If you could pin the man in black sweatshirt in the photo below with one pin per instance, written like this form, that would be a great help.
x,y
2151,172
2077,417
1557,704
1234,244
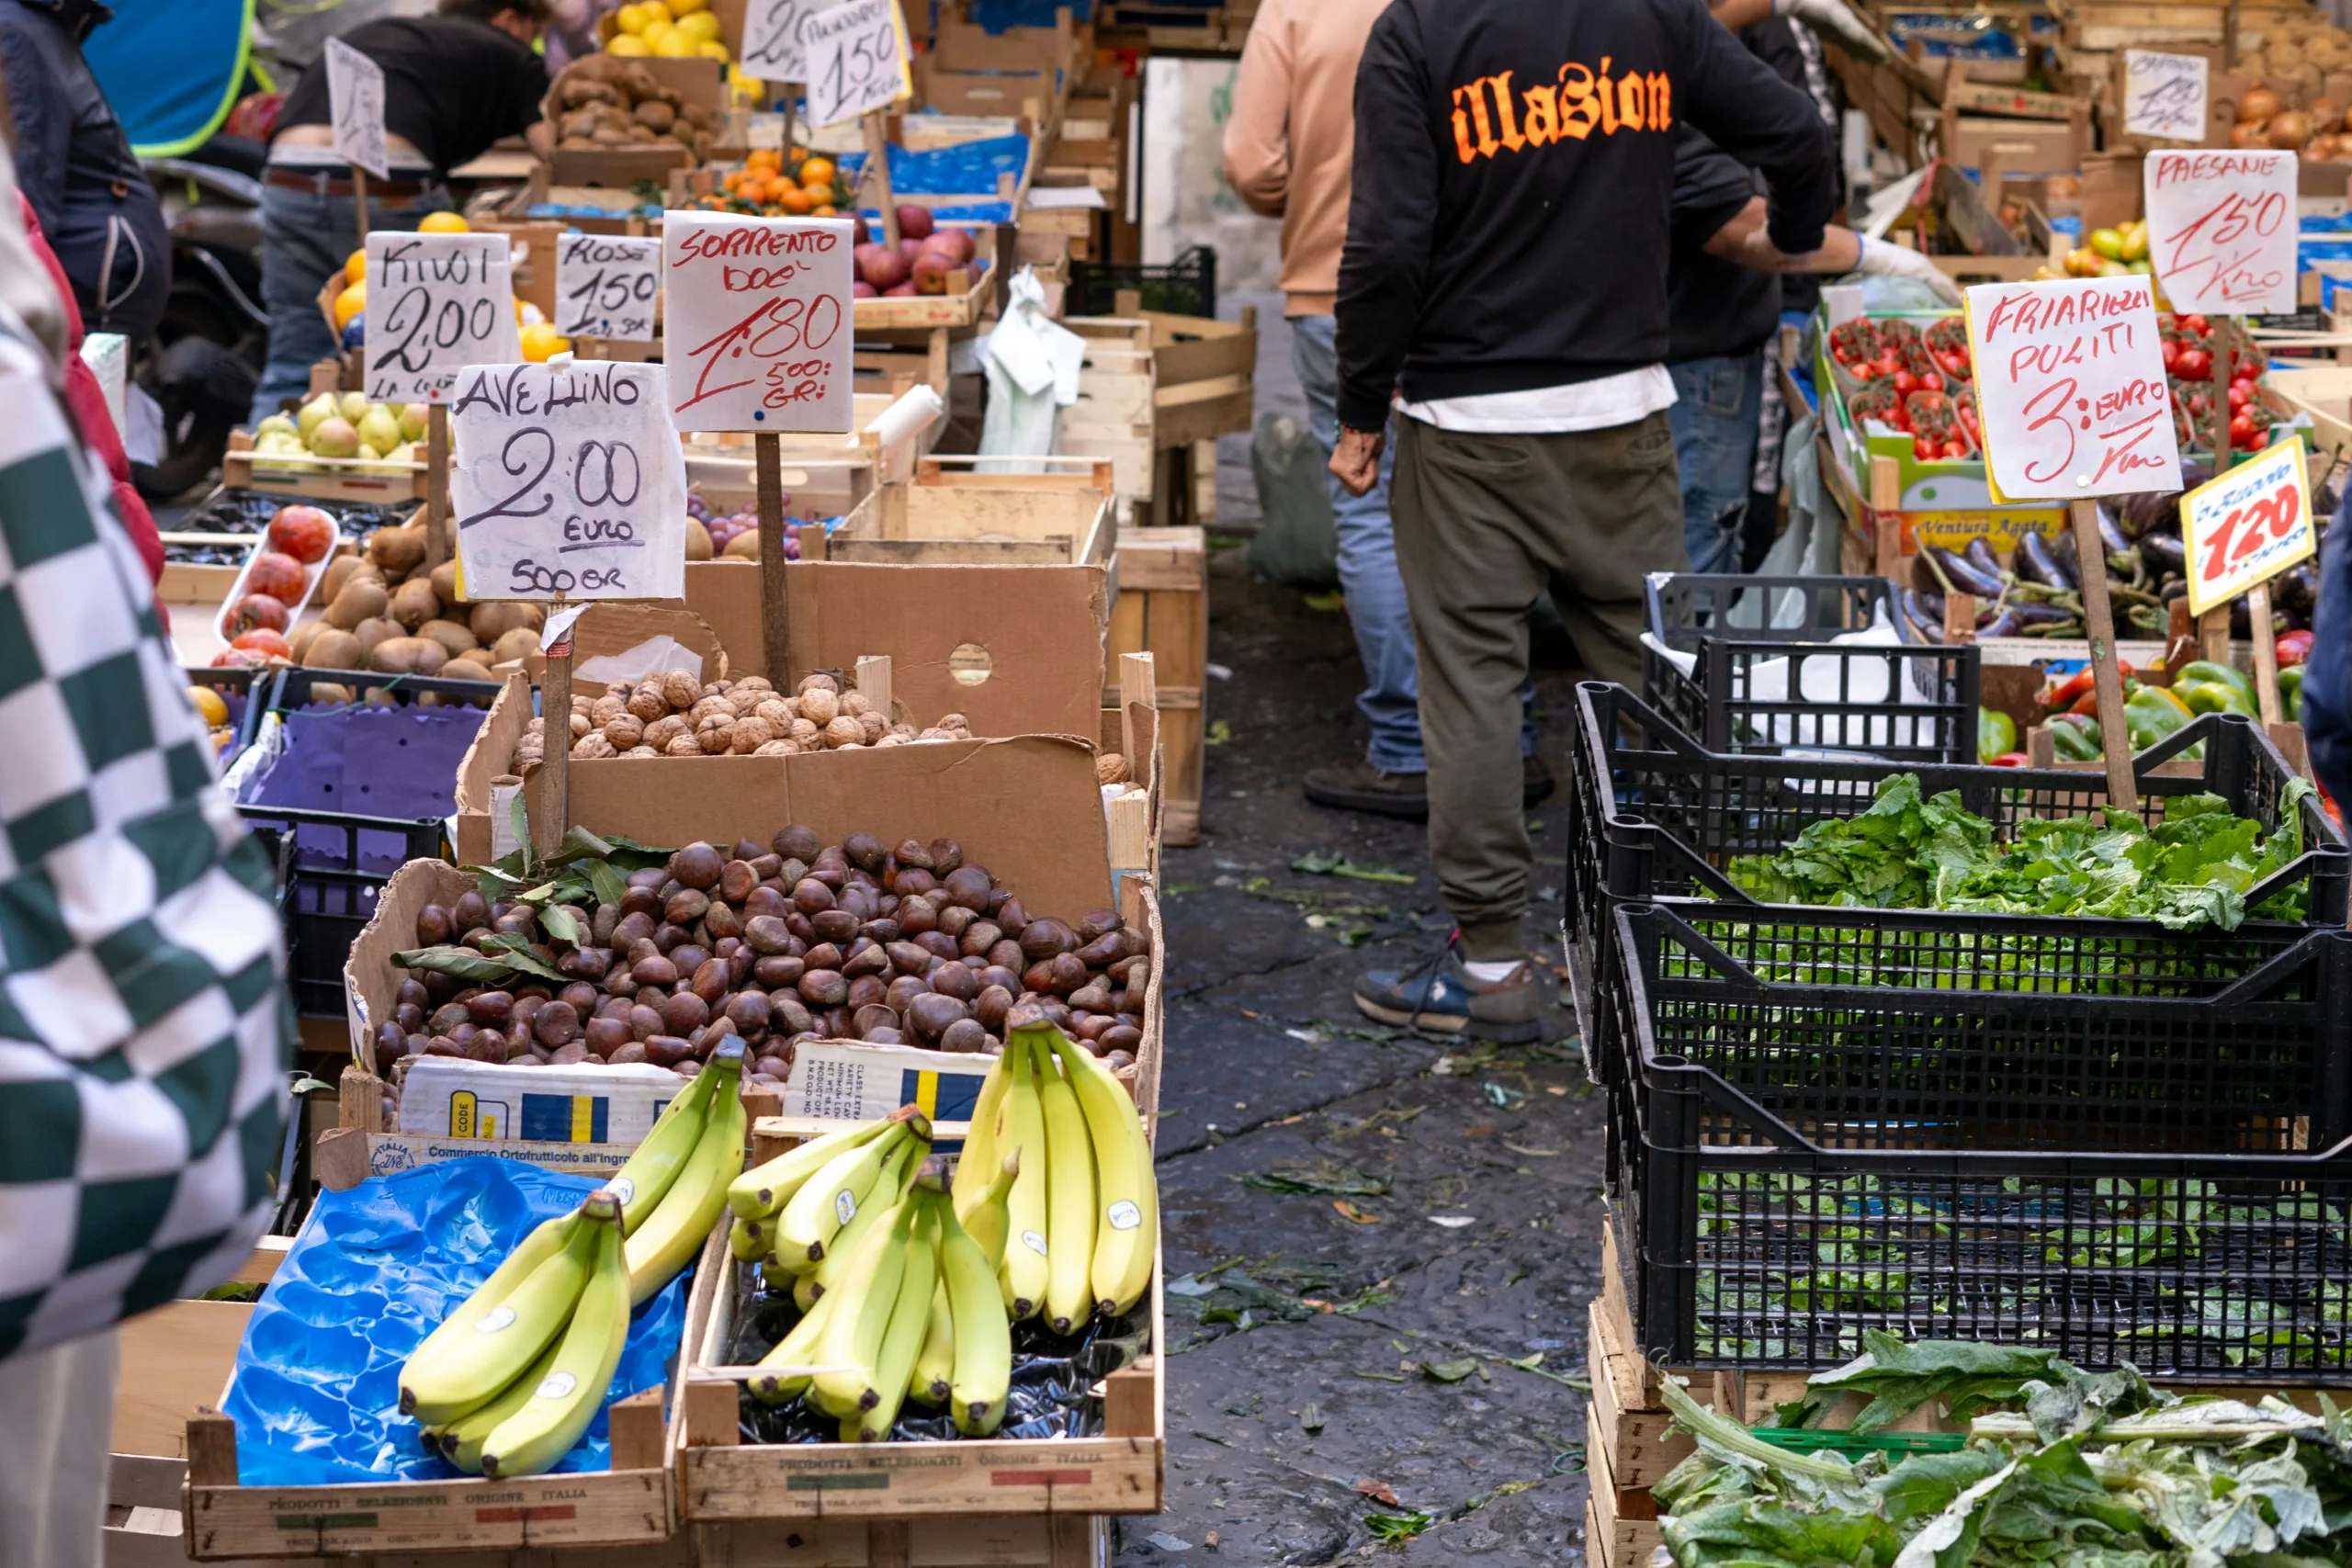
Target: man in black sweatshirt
x,y
1506,273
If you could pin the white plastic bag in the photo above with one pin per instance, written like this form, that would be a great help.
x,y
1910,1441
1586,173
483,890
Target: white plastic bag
x,y
1032,365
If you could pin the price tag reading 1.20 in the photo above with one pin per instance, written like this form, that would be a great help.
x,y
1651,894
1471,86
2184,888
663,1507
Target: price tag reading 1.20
x,y
567,482
2248,526
757,325
2070,389
606,287
436,303
856,59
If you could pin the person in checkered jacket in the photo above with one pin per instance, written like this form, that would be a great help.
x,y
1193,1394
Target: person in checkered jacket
x,y
144,1021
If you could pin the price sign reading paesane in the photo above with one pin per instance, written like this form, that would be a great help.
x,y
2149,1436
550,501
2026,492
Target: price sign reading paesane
x,y
2248,526
436,303
856,61
772,47
2221,228
756,321
567,482
2070,389
606,287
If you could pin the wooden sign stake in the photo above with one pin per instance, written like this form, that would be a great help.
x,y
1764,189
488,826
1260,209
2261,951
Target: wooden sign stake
x,y
359,193
1959,619
774,609
555,708
2098,621
878,164
436,486
2266,653
2223,366
2180,633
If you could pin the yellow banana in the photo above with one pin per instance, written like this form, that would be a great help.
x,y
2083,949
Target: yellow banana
x,y
976,1167
830,1199
983,1365
563,1404
655,1165
881,1200
935,1375
746,1241
1069,1198
545,1241
445,1379
776,1277
796,1349
765,1188
669,1238
805,1291
460,1441
894,1360
1024,1264
853,1331
1126,1230
987,1215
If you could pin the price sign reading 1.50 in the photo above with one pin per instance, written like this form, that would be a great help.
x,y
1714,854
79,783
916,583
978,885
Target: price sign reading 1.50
x,y
567,482
606,287
857,59
2248,526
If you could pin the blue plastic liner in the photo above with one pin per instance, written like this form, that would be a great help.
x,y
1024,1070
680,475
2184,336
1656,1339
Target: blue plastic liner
x,y
316,1395
968,168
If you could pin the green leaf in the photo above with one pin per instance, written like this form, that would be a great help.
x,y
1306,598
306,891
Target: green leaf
x,y
1451,1371
608,884
563,923
1323,1178
519,952
462,961
1397,1526
1318,862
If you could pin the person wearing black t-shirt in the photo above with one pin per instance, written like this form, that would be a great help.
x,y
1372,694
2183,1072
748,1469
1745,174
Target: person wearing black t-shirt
x,y
454,83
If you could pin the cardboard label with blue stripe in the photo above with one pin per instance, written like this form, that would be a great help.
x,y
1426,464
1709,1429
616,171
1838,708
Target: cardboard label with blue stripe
x,y
848,1081
444,1097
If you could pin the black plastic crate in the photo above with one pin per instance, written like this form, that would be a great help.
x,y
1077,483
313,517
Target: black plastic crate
x,y
1766,679
1185,287
295,686
335,870
2161,1180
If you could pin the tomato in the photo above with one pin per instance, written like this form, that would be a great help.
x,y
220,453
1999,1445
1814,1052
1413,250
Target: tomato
x,y
1932,382
1905,383
2257,441
2195,325
1955,450
2171,352
2194,365
303,532
1924,448
2240,394
2294,647
2241,433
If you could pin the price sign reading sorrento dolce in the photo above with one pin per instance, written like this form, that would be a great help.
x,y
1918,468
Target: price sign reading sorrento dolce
x,y
2070,390
757,325
567,482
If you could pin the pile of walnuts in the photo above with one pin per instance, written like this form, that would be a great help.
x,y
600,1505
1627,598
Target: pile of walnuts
x,y
605,100
674,714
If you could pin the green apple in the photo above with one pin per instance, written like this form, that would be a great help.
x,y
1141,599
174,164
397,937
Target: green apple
x,y
315,412
334,438
354,406
413,418
276,424
380,429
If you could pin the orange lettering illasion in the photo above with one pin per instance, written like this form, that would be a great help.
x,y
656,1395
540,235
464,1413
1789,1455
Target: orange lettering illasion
x,y
1507,112
1584,100
1661,100
1462,128
1542,123
1578,109
1607,96
1632,102
1487,145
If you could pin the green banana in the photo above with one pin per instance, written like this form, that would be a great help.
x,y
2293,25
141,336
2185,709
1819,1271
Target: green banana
x,y
933,1378
830,1199
657,1161
853,1331
667,1241
446,1378
1126,1233
460,1441
976,1168
765,1188
988,1215
983,1364
1024,1264
894,1358
1070,1198
563,1404
881,1200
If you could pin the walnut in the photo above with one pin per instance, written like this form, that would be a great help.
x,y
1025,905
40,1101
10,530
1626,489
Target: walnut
x,y
625,731
606,708
819,705
855,705
1111,768
648,704
717,735
751,734
582,724
872,723
777,714
683,744
904,731
776,748
710,707
895,738
714,688
754,683
936,733
640,752
806,732
844,732
593,746
956,722
817,682
662,730
678,689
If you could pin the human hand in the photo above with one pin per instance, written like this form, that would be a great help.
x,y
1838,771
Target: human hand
x,y
1884,259
1356,463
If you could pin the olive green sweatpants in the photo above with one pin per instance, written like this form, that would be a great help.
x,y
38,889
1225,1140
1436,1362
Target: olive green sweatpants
x,y
1484,524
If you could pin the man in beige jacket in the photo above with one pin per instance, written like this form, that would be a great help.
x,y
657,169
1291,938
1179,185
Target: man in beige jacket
x,y
1289,152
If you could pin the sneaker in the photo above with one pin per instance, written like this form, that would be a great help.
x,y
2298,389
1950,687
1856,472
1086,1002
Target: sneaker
x,y
1359,786
1442,996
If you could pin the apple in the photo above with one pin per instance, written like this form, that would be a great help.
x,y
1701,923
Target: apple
x,y
955,245
903,291
931,273
334,438
862,290
884,268
314,414
910,247
303,532
914,222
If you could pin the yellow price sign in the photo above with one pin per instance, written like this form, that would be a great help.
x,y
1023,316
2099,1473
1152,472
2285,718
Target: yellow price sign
x,y
2248,526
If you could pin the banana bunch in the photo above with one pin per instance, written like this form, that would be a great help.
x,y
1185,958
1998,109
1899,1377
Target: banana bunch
x,y
1083,1211
510,1382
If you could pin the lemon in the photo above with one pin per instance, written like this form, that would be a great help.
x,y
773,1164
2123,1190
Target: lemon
x,y
629,18
444,223
675,44
541,340
355,267
349,303
679,8
628,46
699,26
655,33
711,49
655,11
208,704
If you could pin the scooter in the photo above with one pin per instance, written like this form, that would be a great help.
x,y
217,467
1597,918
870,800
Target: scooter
x,y
208,352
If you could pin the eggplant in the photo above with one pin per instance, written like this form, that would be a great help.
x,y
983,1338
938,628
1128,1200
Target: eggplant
x,y
1980,555
1960,576
2042,614
2297,590
2036,563
2005,624
2164,553
2111,533
1931,627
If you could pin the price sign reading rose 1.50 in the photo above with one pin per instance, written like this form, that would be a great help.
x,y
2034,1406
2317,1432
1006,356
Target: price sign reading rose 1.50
x,y
606,287
2246,526
567,482
757,325
2070,385
436,303
856,61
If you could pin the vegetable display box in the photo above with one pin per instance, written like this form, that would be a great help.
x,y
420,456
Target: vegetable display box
x,y
2156,1180
1662,820
1768,678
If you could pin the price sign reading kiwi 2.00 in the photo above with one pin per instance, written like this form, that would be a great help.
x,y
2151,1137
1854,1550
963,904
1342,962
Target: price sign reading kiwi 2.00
x,y
757,325
436,303
2070,390
567,482
2248,526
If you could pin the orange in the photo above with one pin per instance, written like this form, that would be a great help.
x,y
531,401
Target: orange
x,y
797,201
444,223
764,158
817,172
824,211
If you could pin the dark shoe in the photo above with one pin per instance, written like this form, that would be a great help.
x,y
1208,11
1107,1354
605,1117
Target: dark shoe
x,y
1443,998
1536,778
1359,786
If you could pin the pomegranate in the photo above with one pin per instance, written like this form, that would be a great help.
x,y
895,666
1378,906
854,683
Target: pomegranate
x,y
278,575
257,611
303,532
262,640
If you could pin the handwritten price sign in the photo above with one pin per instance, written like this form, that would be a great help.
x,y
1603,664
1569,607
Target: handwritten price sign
x,y
772,47
567,482
606,286
757,328
2070,387
2163,94
2248,526
2221,229
857,59
356,104
437,304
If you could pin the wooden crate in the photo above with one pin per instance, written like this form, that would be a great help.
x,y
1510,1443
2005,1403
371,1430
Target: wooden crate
x,y
991,524
320,479
1621,1522
1163,609
1115,417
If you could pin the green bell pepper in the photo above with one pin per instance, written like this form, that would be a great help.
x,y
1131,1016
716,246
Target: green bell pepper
x,y
2214,696
2204,671
2075,738
2290,694
1997,734
2152,714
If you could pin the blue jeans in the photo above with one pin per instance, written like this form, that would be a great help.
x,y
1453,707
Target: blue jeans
x,y
305,239
1717,403
1376,595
